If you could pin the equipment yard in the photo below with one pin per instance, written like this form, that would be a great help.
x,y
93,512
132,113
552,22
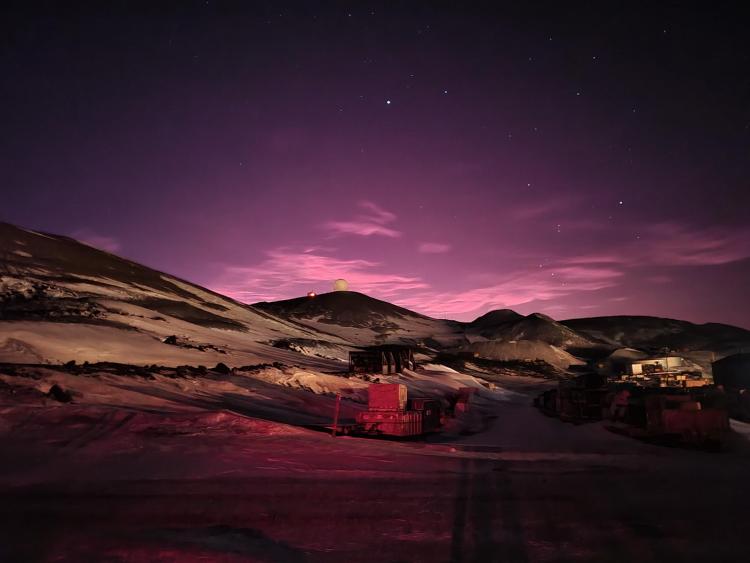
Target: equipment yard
x,y
171,480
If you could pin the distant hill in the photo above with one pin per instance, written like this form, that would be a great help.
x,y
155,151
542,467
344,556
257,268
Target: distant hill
x,y
506,335
63,300
508,325
345,308
493,319
653,334
365,320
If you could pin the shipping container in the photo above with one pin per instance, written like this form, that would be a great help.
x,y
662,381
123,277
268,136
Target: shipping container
x,y
431,411
387,396
391,423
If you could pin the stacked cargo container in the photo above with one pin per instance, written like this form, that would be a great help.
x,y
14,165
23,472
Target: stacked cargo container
x,y
390,413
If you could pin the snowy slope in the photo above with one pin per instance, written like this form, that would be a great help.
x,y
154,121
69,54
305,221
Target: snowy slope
x,y
655,333
508,326
62,300
505,335
365,320
525,350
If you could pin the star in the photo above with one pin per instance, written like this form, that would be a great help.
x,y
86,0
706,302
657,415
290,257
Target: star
x,y
388,102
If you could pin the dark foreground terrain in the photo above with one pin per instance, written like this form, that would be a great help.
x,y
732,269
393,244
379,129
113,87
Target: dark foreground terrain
x,y
82,483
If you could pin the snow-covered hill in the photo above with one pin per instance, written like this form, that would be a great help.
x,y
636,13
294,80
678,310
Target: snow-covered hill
x,y
365,320
506,335
62,300
654,334
504,326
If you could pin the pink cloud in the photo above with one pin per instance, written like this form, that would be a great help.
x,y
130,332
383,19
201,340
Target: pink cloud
x,y
373,222
287,273
596,259
537,209
100,242
671,244
434,248
517,289
361,228
380,215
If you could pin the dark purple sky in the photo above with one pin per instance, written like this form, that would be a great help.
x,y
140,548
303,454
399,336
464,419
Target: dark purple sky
x,y
449,159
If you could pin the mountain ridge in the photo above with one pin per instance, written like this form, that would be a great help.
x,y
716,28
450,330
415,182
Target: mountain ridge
x,y
48,279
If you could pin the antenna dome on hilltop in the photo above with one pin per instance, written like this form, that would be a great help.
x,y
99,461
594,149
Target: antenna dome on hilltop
x,y
340,285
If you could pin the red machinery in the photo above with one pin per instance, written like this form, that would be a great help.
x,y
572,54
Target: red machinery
x,y
685,418
389,413
695,418
690,416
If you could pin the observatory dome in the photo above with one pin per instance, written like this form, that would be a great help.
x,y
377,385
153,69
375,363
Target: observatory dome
x,y
340,285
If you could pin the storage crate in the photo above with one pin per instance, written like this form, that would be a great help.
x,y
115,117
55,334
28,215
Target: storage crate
x,y
391,423
386,396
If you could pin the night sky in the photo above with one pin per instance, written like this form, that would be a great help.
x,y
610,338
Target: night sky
x,y
451,159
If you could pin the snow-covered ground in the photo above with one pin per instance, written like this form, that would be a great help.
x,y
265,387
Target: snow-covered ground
x,y
194,464
524,350
62,301
202,469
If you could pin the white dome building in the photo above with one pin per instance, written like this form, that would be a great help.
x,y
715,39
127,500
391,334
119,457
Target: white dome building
x,y
340,285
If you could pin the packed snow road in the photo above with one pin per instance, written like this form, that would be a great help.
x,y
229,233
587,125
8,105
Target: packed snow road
x,y
103,483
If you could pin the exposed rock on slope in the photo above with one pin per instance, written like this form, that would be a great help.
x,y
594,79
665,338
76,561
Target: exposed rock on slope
x,y
508,326
505,335
62,300
653,334
525,350
365,320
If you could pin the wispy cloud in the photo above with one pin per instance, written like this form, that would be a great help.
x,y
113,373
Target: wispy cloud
x,y
372,221
587,259
538,209
672,244
677,245
286,273
434,248
516,289
101,242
